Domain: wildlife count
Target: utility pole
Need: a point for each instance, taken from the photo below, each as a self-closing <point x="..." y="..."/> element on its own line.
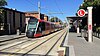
<point x="39" y="8"/>
<point x="38" y="16"/>
<point x="55" y="19"/>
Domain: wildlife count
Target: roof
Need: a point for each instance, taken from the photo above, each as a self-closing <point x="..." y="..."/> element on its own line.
<point x="35" y="12"/>
<point x="75" y="17"/>
<point x="29" y="17"/>
<point x="11" y="9"/>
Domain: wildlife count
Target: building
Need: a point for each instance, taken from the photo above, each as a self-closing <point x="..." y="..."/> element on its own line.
<point x="45" y="17"/>
<point x="75" y="22"/>
<point x="36" y="14"/>
<point x="11" y="21"/>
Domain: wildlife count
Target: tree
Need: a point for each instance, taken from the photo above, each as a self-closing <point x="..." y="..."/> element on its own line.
<point x="56" y="19"/>
<point x="96" y="9"/>
<point x="3" y="3"/>
<point x="94" y="3"/>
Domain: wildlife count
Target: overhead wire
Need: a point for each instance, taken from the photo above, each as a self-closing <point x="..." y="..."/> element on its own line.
<point x="30" y="2"/>
<point x="59" y="8"/>
<point x="45" y="7"/>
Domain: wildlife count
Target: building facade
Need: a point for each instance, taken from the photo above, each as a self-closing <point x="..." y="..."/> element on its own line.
<point x="11" y="21"/>
<point x="36" y="15"/>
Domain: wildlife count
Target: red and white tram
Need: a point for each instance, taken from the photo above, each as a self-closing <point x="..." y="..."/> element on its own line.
<point x="37" y="27"/>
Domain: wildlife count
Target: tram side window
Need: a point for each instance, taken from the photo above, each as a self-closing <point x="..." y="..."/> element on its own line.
<point x="47" y="26"/>
<point x="39" y="29"/>
<point x="43" y="26"/>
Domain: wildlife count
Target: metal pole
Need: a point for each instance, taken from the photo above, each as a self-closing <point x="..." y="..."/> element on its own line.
<point x="90" y="38"/>
<point x="9" y="27"/>
<point x="39" y="8"/>
<point x="55" y="19"/>
<point x="78" y="30"/>
<point x="38" y="16"/>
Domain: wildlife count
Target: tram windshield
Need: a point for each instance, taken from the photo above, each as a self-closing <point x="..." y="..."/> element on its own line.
<point x="32" y="24"/>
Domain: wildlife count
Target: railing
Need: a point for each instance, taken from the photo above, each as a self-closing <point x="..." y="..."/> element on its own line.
<point x="96" y="33"/>
<point x="84" y="33"/>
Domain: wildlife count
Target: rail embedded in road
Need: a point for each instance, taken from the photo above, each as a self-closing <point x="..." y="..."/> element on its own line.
<point x="40" y="44"/>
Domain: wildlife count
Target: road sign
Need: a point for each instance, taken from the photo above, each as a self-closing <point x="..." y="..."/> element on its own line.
<point x="81" y="13"/>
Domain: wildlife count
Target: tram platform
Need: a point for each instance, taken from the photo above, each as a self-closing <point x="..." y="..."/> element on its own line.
<point x="78" y="46"/>
<point x="10" y="37"/>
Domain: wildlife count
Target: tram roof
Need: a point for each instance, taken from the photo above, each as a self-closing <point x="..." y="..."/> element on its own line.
<point x="46" y="21"/>
<point x="75" y="17"/>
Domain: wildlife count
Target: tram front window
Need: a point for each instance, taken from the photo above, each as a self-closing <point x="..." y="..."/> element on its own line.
<point x="32" y="25"/>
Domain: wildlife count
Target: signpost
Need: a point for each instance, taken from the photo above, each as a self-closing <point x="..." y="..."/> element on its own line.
<point x="80" y="13"/>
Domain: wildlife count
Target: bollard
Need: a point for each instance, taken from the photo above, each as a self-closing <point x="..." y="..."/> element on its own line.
<point x="18" y="32"/>
<point x="98" y="33"/>
<point x="82" y="32"/>
<point x="85" y="33"/>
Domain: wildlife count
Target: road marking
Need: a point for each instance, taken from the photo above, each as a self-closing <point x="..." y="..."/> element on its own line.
<point x="66" y="40"/>
<point x="71" y="51"/>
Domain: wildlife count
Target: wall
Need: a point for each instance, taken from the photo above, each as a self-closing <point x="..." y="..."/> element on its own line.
<point x="13" y="20"/>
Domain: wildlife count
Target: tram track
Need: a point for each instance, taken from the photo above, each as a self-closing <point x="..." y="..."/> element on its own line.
<point x="15" y="44"/>
<point x="37" y="45"/>
<point x="46" y="47"/>
<point x="25" y="53"/>
<point x="7" y="44"/>
<point x="12" y="39"/>
<point x="54" y="44"/>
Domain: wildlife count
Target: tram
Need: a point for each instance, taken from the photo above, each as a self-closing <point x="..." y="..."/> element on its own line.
<point x="37" y="27"/>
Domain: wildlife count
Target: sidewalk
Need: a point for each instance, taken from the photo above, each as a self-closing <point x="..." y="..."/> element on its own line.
<point x="81" y="47"/>
<point x="9" y="37"/>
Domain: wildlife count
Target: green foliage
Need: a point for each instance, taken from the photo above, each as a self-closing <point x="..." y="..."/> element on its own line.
<point x="55" y="19"/>
<point x="88" y="3"/>
<point x="3" y="2"/>
<point x="98" y="29"/>
<point x="85" y="27"/>
<point x="85" y="5"/>
<point x="1" y="15"/>
<point x="96" y="3"/>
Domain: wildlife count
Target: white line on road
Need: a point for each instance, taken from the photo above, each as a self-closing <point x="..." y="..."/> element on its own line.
<point x="71" y="51"/>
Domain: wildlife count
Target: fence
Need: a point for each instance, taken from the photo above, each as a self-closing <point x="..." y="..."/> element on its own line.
<point x="96" y="33"/>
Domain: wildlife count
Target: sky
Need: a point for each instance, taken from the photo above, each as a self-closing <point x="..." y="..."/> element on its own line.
<point x="67" y="7"/>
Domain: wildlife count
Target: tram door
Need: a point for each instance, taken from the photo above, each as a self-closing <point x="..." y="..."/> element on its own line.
<point x="41" y="28"/>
